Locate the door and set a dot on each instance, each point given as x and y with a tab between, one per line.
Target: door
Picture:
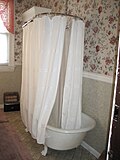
113	152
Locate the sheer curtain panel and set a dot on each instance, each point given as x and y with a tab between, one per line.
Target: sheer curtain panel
43	41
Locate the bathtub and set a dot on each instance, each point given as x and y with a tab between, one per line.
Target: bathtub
60	139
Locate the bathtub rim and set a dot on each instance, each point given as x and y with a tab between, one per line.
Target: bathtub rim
73	131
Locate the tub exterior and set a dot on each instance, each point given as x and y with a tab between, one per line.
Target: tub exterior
63	141
60	139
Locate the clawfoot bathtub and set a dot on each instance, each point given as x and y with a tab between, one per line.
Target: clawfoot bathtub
60	139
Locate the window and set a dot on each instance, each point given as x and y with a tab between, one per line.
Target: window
6	36
4	48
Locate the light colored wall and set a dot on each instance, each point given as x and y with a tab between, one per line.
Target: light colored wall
10	82
97	96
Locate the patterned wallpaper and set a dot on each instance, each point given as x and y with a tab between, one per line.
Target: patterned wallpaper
20	7
101	19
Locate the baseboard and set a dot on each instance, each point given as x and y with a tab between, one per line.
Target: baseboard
98	77
90	149
1	106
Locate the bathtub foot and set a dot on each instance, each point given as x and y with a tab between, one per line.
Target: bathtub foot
26	130
44	152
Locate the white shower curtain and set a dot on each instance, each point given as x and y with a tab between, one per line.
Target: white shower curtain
43	42
72	96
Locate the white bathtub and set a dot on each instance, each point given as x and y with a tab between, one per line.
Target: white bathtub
60	139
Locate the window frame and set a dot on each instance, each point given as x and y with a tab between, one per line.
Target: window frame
10	13
10	65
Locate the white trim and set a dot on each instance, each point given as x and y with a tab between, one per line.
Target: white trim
99	77
90	149
1	106
7	68
11	50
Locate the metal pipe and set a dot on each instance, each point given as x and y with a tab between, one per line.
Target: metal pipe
51	13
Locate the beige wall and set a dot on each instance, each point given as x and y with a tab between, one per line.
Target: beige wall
10	82
97	96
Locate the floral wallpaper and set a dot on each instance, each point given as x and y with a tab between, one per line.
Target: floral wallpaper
20	7
101	19
101	37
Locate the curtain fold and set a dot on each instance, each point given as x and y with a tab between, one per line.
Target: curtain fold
27	56
72	95
7	14
40	74
55	117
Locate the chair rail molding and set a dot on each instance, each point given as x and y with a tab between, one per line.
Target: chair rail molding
98	77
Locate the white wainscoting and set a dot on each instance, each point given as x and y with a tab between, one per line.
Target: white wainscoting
90	149
102	78
98	77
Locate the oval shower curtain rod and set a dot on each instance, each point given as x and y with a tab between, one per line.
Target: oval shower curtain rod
57	14
51	13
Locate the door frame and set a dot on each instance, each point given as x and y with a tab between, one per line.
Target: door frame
114	97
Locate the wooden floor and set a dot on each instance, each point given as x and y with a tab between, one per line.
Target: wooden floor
35	149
